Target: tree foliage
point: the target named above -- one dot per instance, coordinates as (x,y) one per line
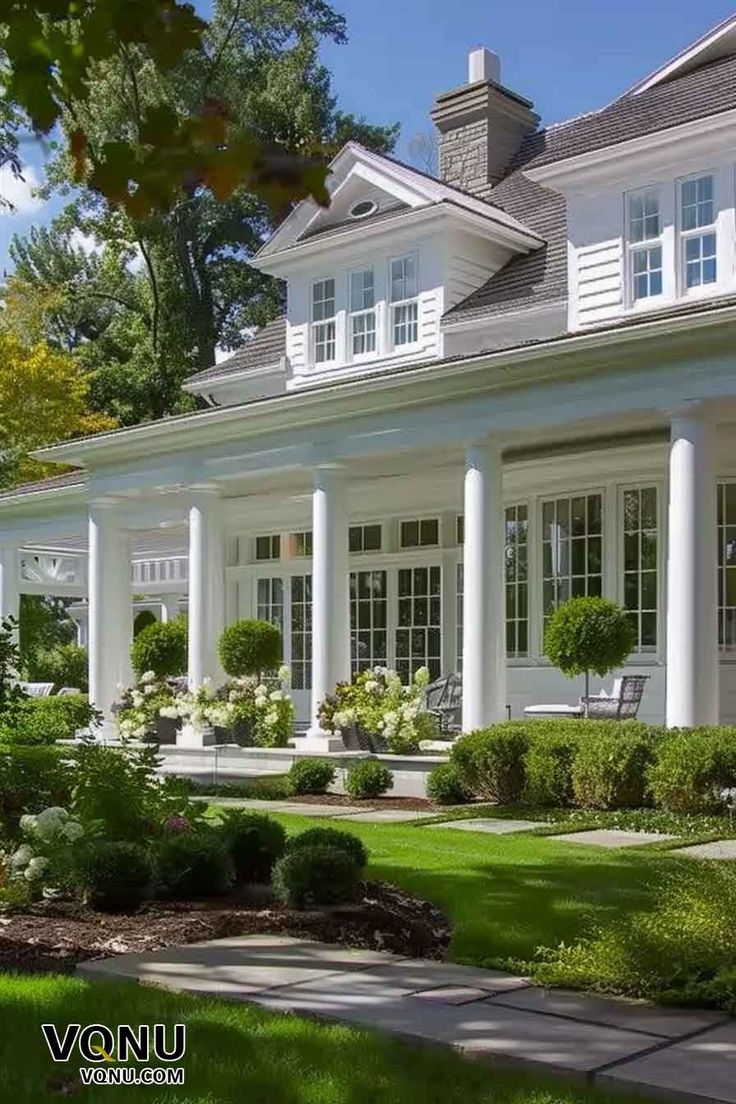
(588,634)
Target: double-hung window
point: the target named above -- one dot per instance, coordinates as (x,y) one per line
(645,245)
(697,232)
(362,312)
(323,320)
(404,305)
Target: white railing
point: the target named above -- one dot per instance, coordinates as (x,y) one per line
(162,569)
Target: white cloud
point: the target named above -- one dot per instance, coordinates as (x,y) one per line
(88,243)
(18,191)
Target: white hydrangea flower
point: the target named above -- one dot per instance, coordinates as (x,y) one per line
(35,868)
(147,676)
(276,696)
(21,857)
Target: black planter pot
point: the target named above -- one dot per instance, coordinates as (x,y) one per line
(357,739)
(241,734)
(166,729)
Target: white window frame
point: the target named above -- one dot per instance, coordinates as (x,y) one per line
(361,527)
(647,484)
(274,545)
(406,302)
(683,236)
(645,245)
(419,521)
(363,313)
(317,325)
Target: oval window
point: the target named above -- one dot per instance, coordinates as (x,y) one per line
(365,207)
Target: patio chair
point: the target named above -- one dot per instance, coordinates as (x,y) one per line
(443,699)
(65,691)
(37,689)
(622,704)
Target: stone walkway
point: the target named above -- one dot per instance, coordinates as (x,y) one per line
(683,1054)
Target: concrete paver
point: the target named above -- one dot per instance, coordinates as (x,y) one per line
(718,849)
(702,1068)
(387,816)
(612,837)
(495,827)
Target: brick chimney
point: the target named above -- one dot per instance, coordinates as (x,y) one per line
(481,126)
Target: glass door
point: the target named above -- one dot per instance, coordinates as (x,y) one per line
(368,620)
(418,634)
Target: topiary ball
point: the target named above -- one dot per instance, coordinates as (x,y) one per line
(116,876)
(331,837)
(588,634)
(445,786)
(249,647)
(310,876)
(368,778)
(193,864)
(161,648)
(310,776)
(255,842)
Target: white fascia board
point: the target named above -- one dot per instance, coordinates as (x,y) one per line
(293,406)
(617,162)
(712,45)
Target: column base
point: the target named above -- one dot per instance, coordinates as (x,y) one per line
(191,736)
(319,741)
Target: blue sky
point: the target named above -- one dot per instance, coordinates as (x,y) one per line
(568,58)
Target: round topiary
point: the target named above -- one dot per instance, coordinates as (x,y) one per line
(490,761)
(588,634)
(445,786)
(309,876)
(255,842)
(249,648)
(368,778)
(310,776)
(331,837)
(193,864)
(161,648)
(116,876)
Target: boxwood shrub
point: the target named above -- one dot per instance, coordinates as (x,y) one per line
(549,758)
(368,778)
(610,769)
(445,786)
(116,876)
(193,864)
(255,842)
(332,837)
(250,647)
(46,720)
(311,776)
(311,876)
(691,767)
(491,761)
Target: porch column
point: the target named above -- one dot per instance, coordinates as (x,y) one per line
(330,602)
(110,608)
(692,595)
(484,652)
(9,583)
(206,585)
(169,607)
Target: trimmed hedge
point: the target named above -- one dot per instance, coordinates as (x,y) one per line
(116,876)
(368,778)
(31,779)
(311,876)
(598,765)
(445,786)
(310,776)
(46,720)
(334,838)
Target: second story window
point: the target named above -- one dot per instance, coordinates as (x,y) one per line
(323,320)
(362,312)
(645,245)
(697,232)
(404,307)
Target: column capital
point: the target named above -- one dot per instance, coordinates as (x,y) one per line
(327,475)
(693,410)
(204,489)
(481,449)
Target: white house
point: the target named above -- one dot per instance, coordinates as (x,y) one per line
(489,392)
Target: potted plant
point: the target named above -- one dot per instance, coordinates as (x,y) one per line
(249,650)
(160,650)
(376,712)
(588,634)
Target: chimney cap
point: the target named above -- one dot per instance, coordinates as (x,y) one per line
(483,65)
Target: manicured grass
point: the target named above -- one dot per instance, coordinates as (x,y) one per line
(239,1053)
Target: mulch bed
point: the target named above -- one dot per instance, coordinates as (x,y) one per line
(53,936)
(421,804)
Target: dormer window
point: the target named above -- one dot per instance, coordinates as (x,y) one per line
(645,245)
(362,312)
(697,232)
(404,305)
(323,320)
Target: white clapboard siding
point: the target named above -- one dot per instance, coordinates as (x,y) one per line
(599,281)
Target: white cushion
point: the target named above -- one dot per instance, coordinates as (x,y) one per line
(552,710)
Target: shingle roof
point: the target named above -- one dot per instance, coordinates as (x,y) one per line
(52,482)
(264,348)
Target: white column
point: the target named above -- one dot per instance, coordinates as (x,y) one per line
(110,607)
(9,583)
(692,597)
(484,658)
(330,601)
(169,607)
(206,585)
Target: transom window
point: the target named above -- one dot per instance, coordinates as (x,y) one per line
(420,533)
(404,307)
(727,567)
(365,538)
(517,581)
(362,312)
(300,544)
(572,549)
(268,548)
(640,564)
(698,232)
(645,247)
(323,320)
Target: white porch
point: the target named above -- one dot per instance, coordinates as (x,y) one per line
(446,557)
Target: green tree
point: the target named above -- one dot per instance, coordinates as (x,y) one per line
(588,634)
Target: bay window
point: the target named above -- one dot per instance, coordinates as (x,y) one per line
(645,245)
(404,306)
(362,312)
(697,232)
(323,320)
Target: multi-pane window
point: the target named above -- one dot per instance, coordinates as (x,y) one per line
(421,533)
(517,580)
(365,538)
(460,592)
(323,320)
(300,544)
(268,548)
(404,289)
(270,601)
(698,232)
(727,567)
(301,632)
(645,247)
(362,312)
(419,629)
(368,618)
(640,564)
(572,549)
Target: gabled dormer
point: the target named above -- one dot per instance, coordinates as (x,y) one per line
(370,276)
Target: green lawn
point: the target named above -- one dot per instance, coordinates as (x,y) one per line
(237,1053)
(508,895)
